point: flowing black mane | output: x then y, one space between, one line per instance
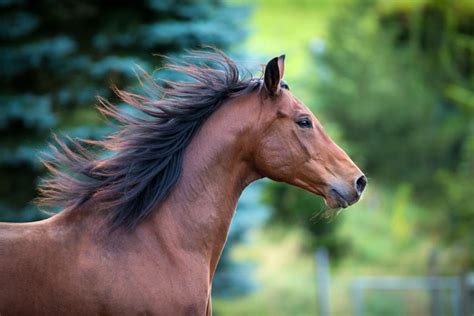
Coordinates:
147 151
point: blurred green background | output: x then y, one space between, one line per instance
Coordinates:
392 82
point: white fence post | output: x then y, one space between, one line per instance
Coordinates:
323 281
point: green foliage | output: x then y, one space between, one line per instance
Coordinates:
398 80
457 215
299 21
293 206
387 103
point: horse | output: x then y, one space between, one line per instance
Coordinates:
145 212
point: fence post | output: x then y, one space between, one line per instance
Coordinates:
466 289
435 296
323 281
357 298
456 297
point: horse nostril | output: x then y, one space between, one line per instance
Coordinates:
360 184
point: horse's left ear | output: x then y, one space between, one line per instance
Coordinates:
274 71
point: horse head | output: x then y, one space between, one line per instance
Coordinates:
292 146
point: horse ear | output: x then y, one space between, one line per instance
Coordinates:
274 71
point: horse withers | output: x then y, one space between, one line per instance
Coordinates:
142 228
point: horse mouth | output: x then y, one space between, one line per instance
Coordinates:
336 200
333 198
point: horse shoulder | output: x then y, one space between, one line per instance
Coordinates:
25 255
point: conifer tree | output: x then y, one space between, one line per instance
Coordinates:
57 56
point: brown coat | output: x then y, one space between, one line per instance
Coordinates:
71 264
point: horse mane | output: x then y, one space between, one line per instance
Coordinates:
145 155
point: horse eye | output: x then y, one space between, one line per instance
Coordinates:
304 123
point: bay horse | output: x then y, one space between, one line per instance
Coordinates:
141 229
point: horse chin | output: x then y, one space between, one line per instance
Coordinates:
332 198
336 202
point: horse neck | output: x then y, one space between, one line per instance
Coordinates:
216 169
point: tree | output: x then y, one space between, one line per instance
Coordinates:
398 81
56 57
